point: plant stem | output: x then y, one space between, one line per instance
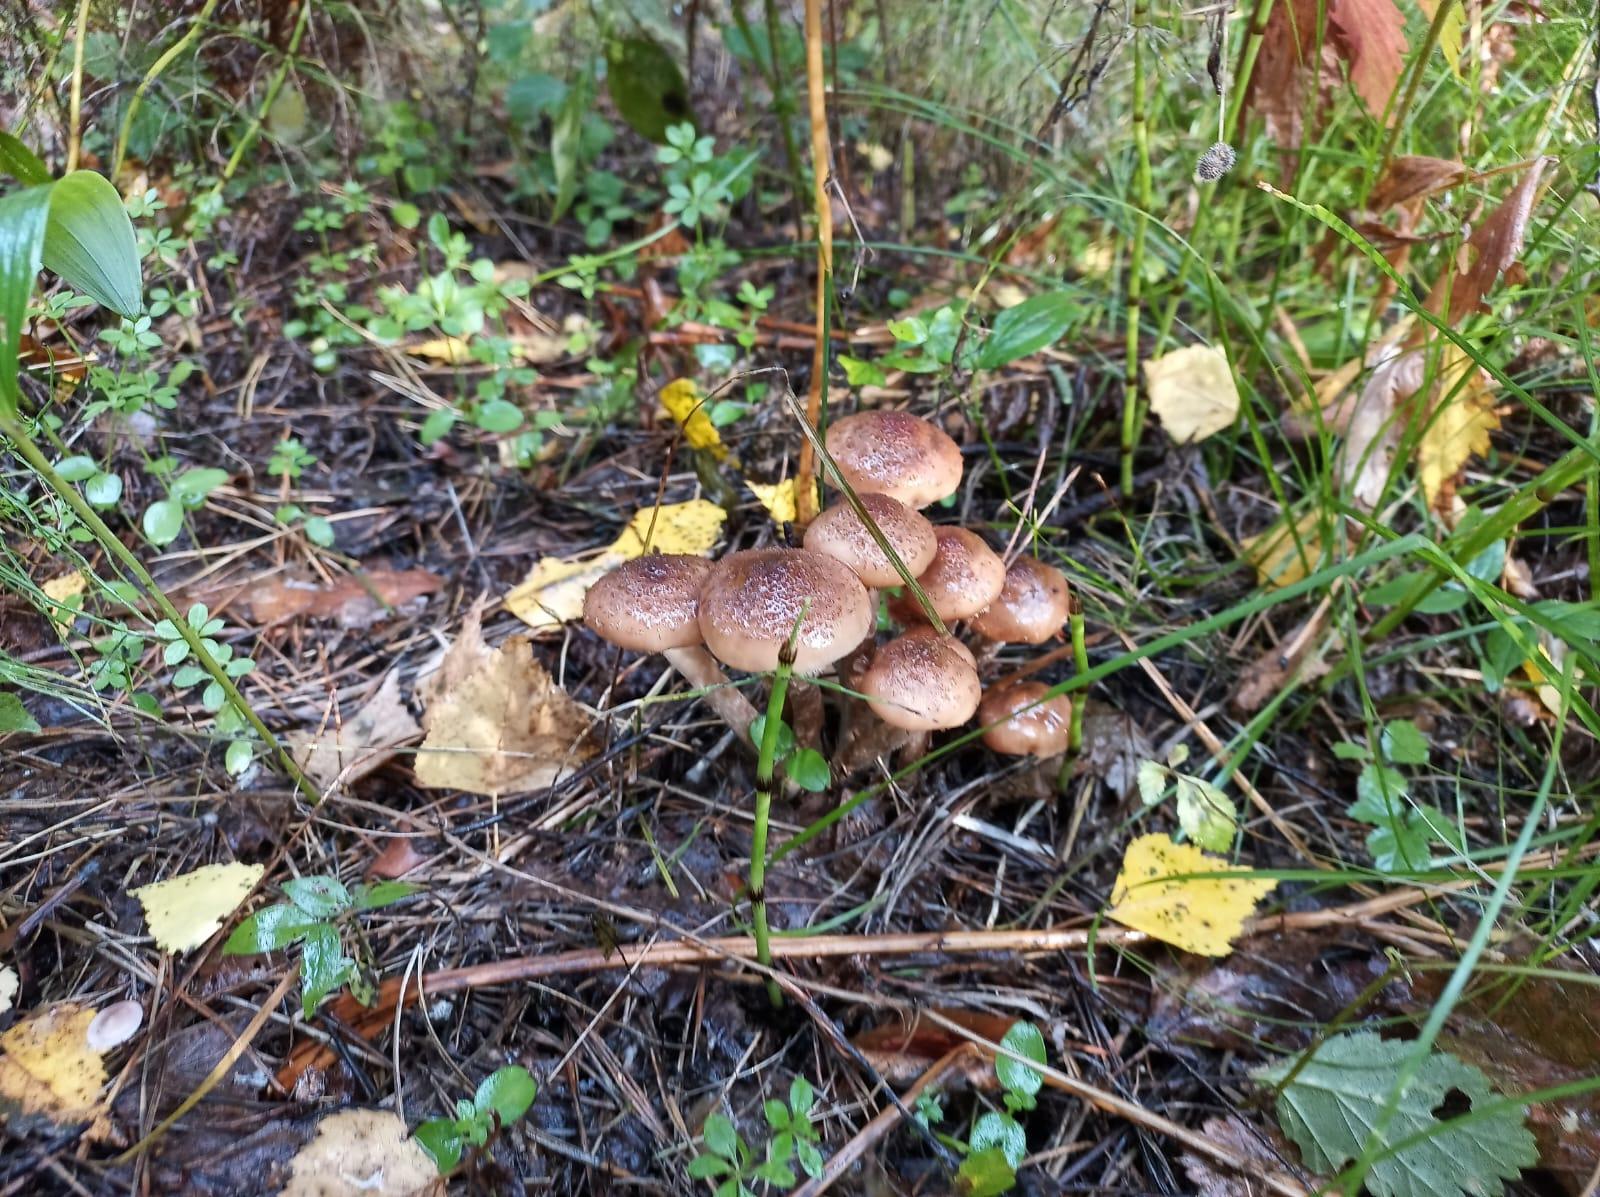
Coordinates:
765 764
197 26
109 541
817 111
1141 215
250 134
75 112
1080 664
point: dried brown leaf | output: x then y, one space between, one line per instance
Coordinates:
346 601
1373 431
1491 250
1267 1150
1411 177
346 751
496 721
1364 37
1371 38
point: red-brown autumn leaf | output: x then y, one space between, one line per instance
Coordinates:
1412 177
1362 38
1492 249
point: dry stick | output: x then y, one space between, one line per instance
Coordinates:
75 112
223 1066
817 112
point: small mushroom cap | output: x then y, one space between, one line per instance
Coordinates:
839 532
896 454
965 576
115 1025
1028 729
922 681
1032 606
752 599
649 604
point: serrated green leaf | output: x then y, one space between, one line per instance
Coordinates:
89 241
1400 846
1152 779
1330 1107
14 716
1380 792
1033 324
1403 743
1207 815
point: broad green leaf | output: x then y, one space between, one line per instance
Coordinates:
1206 814
646 86
704 1167
499 415
758 731
21 163
23 217
533 95
508 1091
1024 1039
319 897
323 966
859 372
268 930
440 1139
89 241
1330 1106
776 1113
14 716
1030 326
776 1173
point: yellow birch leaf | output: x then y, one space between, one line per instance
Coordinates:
48 1072
684 403
62 591
1461 423
452 351
778 499
497 723
1155 894
552 593
183 912
346 750
1281 556
1455 21
1192 392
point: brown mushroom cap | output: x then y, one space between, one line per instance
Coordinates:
1027 729
1032 606
896 454
922 681
752 599
839 532
965 576
649 604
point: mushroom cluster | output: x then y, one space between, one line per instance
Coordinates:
742 610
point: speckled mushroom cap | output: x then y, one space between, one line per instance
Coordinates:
649 604
896 454
922 681
1032 606
752 599
965 576
1022 728
840 533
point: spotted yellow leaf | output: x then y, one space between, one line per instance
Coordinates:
1192 392
1463 417
687 406
778 499
183 912
1157 893
67 593
49 1075
552 593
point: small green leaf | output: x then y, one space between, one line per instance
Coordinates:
76 469
808 769
508 1091
14 716
1001 1131
810 1158
163 521
383 893
319 897
1152 779
776 1173
103 490
498 415
776 1114
1030 326
192 486
706 1166
801 1096
238 757
1379 793
1401 846
1345 750
1024 1039
861 373
720 1137
758 731
1403 743
986 1173
323 966
440 1139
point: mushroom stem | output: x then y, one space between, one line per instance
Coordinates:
700 669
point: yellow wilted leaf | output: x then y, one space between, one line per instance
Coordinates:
1192 392
48 1071
552 593
63 591
1281 556
1461 423
684 403
496 721
452 351
183 912
778 499
1155 894
362 1153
